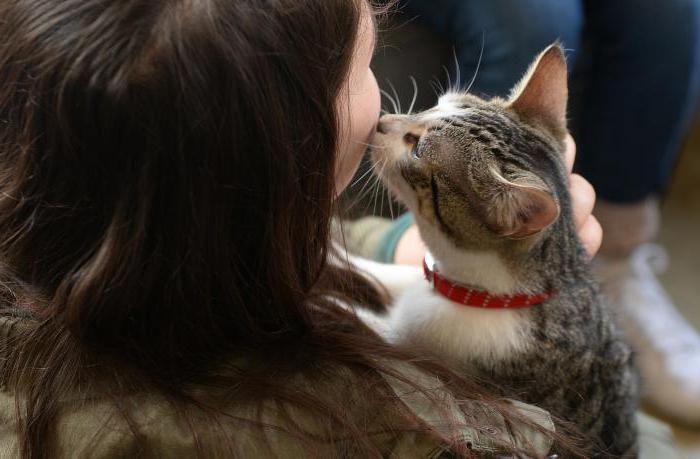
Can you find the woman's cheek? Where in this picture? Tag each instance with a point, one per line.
(374, 105)
(364, 106)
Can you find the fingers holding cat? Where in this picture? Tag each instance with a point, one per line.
(591, 235)
(583, 200)
(570, 153)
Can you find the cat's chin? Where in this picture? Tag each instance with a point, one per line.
(386, 148)
(397, 186)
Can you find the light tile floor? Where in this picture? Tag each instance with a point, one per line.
(681, 236)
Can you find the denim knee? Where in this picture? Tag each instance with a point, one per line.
(507, 35)
(633, 107)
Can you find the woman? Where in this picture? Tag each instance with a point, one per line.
(168, 175)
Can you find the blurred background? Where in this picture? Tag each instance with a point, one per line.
(407, 48)
(680, 234)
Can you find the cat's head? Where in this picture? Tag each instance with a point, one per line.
(483, 175)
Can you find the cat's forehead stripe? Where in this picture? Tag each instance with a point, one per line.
(448, 106)
(447, 111)
(478, 121)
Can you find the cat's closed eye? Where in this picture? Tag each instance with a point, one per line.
(412, 140)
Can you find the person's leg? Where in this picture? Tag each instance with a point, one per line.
(634, 89)
(511, 32)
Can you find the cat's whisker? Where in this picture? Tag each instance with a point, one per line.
(390, 201)
(396, 94)
(381, 172)
(371, 185)
(437, 87)
(478, 63)
(434, 88)
(381, 188)
(391, 99)
(364, 174)
(375, 186)
(381, 205)
(449, 78)
(415, 95)
(380, 198)
(362, 194)
(458, 73)
(357, 200)
(353, 203)
(368, 208)
(365, 144)
(367, 185)
(378, 187)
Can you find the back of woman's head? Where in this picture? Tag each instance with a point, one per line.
(166, 188)
(167, 167)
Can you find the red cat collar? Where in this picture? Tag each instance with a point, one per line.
(478, 298)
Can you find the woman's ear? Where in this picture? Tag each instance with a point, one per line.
(541, 96)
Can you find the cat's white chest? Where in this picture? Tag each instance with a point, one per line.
(453, 331)
(422, 316)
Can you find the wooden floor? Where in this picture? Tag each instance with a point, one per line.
(681, 236)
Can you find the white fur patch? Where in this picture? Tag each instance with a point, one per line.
(457, 332)
(446, 107)
(484, 270)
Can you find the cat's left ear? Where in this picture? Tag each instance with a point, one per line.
(542, 94)
(520, 210)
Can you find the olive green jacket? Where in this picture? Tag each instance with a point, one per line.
(90, 426)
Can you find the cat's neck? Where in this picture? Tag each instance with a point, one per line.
(557, 261)
(482, 270)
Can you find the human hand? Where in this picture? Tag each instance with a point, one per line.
(583, 200)
(411, 249)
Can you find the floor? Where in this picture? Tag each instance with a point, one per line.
(680, 236)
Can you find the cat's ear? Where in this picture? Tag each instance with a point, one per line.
(543, 92)
(518, 210)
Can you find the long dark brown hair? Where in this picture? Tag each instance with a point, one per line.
(166, 193)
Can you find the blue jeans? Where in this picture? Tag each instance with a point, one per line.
(634, 81)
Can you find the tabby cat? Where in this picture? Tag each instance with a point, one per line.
(512, 297)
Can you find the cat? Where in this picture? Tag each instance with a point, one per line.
(487, 185)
